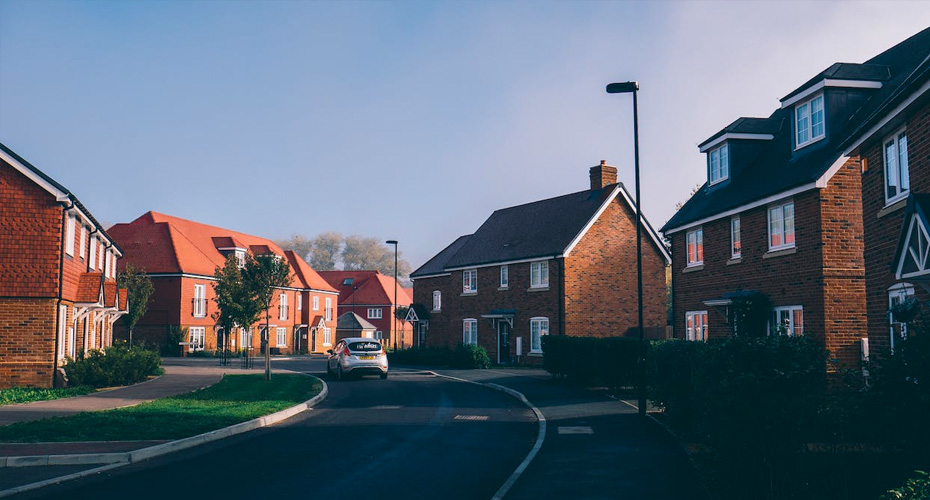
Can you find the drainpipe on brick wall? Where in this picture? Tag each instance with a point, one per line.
(561, 298)
(61, 277)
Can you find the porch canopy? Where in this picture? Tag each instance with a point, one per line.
(910, 258)
(496, 315)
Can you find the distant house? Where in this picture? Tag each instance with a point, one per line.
(58, 292)
(787, 200)
(561, 266)
(181, 256)
(352, 325)
(370, 294)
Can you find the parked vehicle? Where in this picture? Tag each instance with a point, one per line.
(357, 356)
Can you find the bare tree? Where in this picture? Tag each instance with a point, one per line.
(366, 252)
(299, 243)
(326, 251)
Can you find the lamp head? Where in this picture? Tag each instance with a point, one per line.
(391, 242)
(622, 88)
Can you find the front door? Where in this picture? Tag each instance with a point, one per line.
(503, 341)
(312, 345)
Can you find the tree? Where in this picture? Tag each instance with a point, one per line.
(365, 252)
(139, 290)
(326, 250)
(235, 304)
(262, 275)
(299, 244)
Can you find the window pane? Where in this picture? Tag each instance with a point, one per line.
(891, 170)
(699, 245)
(789, 223)
(544, 273)
(714, 165)
(817, 117)
(724, 162)
(775, 227)
(798, 321)
(902, 163)
(801, 124)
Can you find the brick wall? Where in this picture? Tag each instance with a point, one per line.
(600, 278)
(27, 342)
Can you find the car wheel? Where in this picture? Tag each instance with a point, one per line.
(383, 376)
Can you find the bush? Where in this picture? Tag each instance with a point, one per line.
(115, 365)
(611, 360)
(917, 488)
(470, 356)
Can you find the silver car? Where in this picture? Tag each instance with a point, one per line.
(357, 356)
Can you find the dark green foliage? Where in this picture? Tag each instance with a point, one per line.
(115, 365)
(139, 288)
(916, 488)
(749, 312)
(611, 360)
(470, 356)
(15, 395)
(173, 338)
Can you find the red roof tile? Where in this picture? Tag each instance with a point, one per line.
(109, 293)
(306, 274)
(89, 288)
(372, 288)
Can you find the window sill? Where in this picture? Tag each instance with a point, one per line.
(436, 310)
(468, 294)
(778, 253)
(893, 207)
(535, 354)
(801, 146)
(691, 269)
(734, 260)
(503, 288)
(538, 289)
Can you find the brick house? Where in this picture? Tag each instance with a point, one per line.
(561, 266)
(370, 294)
(350, 324)
(781, 214)
(181, 257)
(58, 292)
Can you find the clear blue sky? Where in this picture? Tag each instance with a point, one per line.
(403, 120)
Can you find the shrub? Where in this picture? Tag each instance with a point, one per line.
(610, 360)
(917, 488)
(172, 346)
(470, 356)
(115, 365)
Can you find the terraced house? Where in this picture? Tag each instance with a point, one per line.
(181, 256)
(58, 292)
(780, 220)
(561, 266)
(370, 295)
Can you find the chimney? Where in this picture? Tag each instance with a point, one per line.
(602, 175)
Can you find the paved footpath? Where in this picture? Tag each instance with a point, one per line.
(595, 447)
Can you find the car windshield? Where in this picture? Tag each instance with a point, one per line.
(364, 346)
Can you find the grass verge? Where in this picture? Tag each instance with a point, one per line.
(235, 399)
(15, 395)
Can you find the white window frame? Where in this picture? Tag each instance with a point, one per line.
(437, 300)
(719, 156)
(316, 302)
(281, 337)
(101, 253)
(200, 301)
(791, 328)
(803, 111)
(300, 301)
(902, 175)
(62, 329)
(106, 263)
(240, 258)
(539, 274)
(694, 237)
(83, 251)
(781, 224)
(896, 294)
(327, 335)
(470, 281)
(92, 258)
(329, 309)
(375, 313)
(470, 331)
(282, 306)
(69, 235)
(736, 242)
(539, 328)
(505, 276)
(379, 335)
(196, 336)
(696, 326)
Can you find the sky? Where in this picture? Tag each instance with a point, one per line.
(409, 120)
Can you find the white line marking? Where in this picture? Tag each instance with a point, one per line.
(386, 407)
(582, 429)
(479, 418)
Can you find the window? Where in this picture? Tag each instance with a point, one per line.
(808, 122)
(62, 329)
(329, 309)
(781, 226)
(240, 258)
(379, 334)
(696, 325)
(92, 259)
(282, 306)
(718, 164)
(100, 257)
(538, 328)
(200, 301)
(437, 300)
(736, 247)
(282, 337)
(898, 294)
(505, 277)
(83, 251)
(695, 242)
(300, 301)
(539, 274)
(316, 303)
(897, 179)
(374, 313)
(327, 336)
(106, 263)
(470, 332)
(69, 235)
(348, 281)
(197, 336)
(787, 320)
(470, 281)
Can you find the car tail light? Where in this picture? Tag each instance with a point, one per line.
(347, 353)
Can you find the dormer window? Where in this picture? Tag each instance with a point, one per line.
(718, 164)
(809, 122)
(240, 258)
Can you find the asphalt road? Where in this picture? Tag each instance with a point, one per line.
(408, 437)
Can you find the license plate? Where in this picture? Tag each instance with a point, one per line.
(366, 357)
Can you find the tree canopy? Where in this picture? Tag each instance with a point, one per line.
(329, 251)
(139, 290)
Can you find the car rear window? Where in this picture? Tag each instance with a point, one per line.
(364, 346)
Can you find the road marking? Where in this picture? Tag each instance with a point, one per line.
(386, 407)
(479, 418)
(576, 430)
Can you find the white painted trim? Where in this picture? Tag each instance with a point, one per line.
(732, 135)
(891, 115)
(508, 262)
(430, 276)
(59, 195)
(826, 82)
(591, 221)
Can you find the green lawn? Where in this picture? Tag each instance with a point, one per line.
(235, 399)
(15, 395)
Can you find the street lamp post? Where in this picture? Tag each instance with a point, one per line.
(632, 88)
(394, 308)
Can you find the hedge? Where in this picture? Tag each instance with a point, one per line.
(464, 356)
(115, 365)
(610, 360)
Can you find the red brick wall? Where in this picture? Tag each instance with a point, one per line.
(883, 227)
(600, 278)
(385, 324)
(27, 342)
